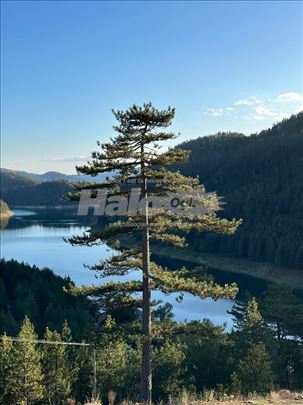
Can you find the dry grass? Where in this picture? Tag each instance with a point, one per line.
(94, 403)
(283, 397)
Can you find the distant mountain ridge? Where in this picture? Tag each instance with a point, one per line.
(50, 188)
(53, 176)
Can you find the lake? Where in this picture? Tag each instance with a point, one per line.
(36, 236)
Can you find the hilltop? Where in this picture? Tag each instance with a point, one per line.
(48, 176)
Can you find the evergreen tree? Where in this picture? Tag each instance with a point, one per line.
(168, 368)
(57, 382)
(118, 364)
(250, 329)
(81, 371)
(133, 156)
(248, 321)
(254, 371)
(3, 297)
(284, 312)
(208, 355)
(26, 379)
(5, 370)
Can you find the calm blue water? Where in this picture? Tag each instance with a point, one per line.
(34, 238)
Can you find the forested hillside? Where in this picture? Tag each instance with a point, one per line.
(261, 179)
(39, 294)
(13, 181)
(49, 176)
(51, 188)
(32, 193)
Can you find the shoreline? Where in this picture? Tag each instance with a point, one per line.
(40, 207)
(293, 278)
(265, 271)
(5, 217)
(6, 214)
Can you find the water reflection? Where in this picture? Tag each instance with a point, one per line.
(4, 221)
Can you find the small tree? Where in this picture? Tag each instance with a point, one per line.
(133, 156)
(249, 329)
(168, 367)
(5, 370)
(208, 355)
(118, 364)
(26, 379)
(57, 381)
(249, 324)
(254, 371)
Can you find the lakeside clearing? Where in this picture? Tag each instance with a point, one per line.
(5, 211)
(5, 214)
(4, 218)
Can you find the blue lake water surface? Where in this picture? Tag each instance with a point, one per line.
(33, 238)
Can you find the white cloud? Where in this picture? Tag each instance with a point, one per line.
(214, 112)
(265, 113)
(253, 117)
(290, 97)
(262, 110)
(273, 108)
(218, 112)
(253, 100)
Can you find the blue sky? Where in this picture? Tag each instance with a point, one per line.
(225, 66)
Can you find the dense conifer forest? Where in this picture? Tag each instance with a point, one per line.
(261, 179)
(39, 294)
(25, 192)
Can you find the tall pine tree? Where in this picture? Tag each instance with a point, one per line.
(133, 156)
(26, 379)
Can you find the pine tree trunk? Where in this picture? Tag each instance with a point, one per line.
(146, 388)
(146, 355)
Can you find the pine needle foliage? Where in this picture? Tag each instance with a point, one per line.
(26, 378)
